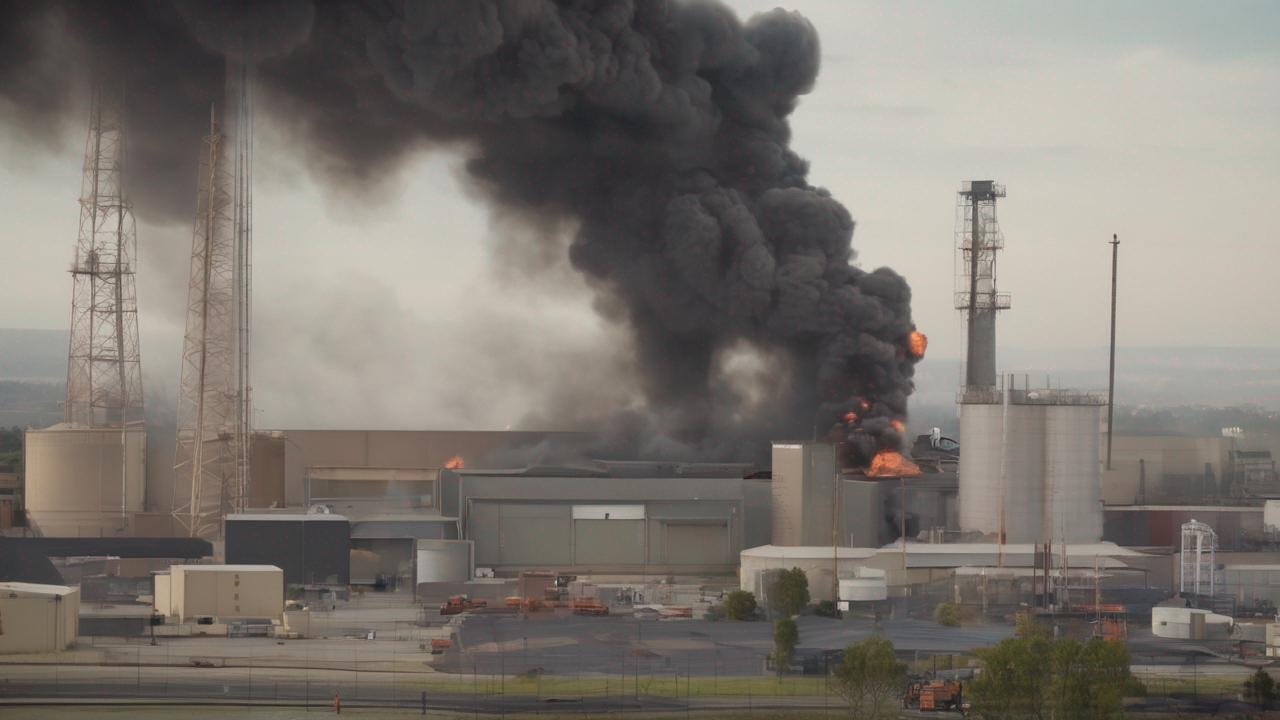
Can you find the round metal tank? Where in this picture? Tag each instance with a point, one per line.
(74, 480)
(1073, 473)
(444, 561)
(980, 456)
(1024, 493)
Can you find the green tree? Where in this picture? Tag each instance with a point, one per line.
(1091, 679)
(790, 592)
(785, 637)
(739, 605)
(1015, 680)
(869, 678)
(1260, 688)
(825, 608)
(1035, 677)
(947, 614)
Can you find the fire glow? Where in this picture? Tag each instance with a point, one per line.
(917, 343)
(888, 463)
(455, 463)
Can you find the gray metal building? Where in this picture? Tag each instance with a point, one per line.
(661, 518)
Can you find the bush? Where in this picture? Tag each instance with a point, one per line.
(790, 592)
(947, 614)
(739, 605)
(825, 608)
(1260, 688)
(785, 637)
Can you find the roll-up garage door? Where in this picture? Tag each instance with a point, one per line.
(609, 542)
(689, 544)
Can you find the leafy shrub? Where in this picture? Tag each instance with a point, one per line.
(739, 605)
(947, 614)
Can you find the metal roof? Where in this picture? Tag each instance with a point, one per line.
(289, 517)
(229, 568)
(810, 552)
(34, 590)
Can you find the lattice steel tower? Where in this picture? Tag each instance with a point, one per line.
(104, 368)
(978, 238)
(211, 468)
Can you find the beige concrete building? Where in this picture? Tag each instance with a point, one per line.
(38, 618)
(224, 592)
(1174, 467)
(281, 458)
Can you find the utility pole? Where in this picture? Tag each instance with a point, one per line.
(1111, 390)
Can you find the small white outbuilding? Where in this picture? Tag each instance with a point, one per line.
(220, 591)
(38, 618)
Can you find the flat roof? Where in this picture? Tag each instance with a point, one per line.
(811, 551)
(1253, 567)
(1183, 508)
(289, 517)
(30, 590)
(1102, 548)
(229, 568)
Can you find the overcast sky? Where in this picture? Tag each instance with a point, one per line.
(1153, 120)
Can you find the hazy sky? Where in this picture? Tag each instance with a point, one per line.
(1154, 120)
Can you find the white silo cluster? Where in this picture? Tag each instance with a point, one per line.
(1032, 465)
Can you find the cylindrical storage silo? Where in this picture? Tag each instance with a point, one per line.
(980, 457)
(1073, 481)
(84, 482)
(1024, 492)
(444, 561)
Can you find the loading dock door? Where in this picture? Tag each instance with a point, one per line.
(697, 544)
(609, 542)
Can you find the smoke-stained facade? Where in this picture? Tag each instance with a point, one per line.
(657, 130)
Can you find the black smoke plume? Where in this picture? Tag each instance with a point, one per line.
(658, 127)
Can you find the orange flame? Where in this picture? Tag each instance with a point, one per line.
(850, 418)
(897, 425)
(456, 463)
(917, 343)
(888, 463)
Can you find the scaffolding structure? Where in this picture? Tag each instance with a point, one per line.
(104, 367)
(211, 467)
(1200, 575)
(978, 239)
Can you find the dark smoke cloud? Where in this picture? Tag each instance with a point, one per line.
(658, 128)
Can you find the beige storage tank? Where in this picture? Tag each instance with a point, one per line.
(85, 482)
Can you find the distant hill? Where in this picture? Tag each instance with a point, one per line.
(33, 355)
(1152, 376)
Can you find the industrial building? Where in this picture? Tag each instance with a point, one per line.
(11, 504)
(309, 549)
(640, 518)
(283, 459)
(38, 618)
(222, 592)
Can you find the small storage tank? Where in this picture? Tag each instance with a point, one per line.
(85, 482)
(445, 560)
